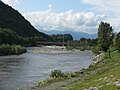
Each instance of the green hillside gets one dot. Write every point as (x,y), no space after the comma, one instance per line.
(12,19)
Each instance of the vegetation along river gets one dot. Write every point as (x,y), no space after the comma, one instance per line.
(29,68)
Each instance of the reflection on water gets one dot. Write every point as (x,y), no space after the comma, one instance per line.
(29,68)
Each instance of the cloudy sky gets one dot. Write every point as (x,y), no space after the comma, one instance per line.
(75,15)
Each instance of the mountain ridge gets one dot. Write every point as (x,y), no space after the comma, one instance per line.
(12,19)
(76,35)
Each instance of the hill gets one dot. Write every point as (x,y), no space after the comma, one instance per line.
(12,19)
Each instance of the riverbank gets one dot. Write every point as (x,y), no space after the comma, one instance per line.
(104,75)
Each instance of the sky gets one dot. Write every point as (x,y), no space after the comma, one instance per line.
(75,15)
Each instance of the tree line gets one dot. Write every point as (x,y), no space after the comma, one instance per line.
(106,40)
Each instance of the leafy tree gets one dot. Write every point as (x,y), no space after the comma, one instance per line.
(105,36)
(10,37)
(7,36)
(118,42)
(83,40)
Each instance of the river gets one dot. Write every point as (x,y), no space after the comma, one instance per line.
(29,68)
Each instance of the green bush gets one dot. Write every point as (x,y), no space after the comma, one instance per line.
(6,49)
(96,50)
(70,75)
(60,74)
(118,42)
(56,74)
(82,48)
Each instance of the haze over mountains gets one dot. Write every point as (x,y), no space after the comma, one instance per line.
(76,35)
(12,19)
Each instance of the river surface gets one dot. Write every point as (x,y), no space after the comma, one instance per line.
(29,68)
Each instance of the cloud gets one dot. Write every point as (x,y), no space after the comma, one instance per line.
(49,20)
(11,2)
(105,5)
(110,7)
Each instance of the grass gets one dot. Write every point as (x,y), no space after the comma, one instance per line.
(105,74)
(109,87)
(54,77)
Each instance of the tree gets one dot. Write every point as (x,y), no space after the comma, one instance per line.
(60,37)
(105,36)
(83,40)
(118,42)
(8,36)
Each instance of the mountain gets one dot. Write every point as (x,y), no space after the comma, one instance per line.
(76,35)
(12,19)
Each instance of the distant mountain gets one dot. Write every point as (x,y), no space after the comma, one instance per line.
(12,19)
(76,35)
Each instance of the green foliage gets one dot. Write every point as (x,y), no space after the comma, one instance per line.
(61,38)
(56,74)
(102,75)
(11,49)
(70,75)
(12,19)
(118,42)
(7,36)
(109,87)
(96,50)
(20,89)
(60,74)
(105,36)
(82,44)
(88,41)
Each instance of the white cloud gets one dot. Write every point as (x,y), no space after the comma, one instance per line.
(105,5)
(110,7)
(49,20)
(11,2)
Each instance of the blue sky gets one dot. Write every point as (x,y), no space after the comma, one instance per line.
(74,15)
(58,5)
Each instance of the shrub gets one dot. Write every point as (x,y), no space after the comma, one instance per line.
(6,49)
(56,74)
(70,75)
(60,74)
(96,50)
(118,42)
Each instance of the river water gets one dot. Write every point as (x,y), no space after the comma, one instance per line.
(29,68)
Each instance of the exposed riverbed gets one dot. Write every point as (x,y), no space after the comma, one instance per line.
(35,65)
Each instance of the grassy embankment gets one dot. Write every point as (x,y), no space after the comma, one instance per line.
(104,75)
(11,49)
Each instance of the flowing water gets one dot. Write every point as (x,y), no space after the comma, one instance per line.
(29,68)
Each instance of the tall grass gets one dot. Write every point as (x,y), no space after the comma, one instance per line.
(6,49)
